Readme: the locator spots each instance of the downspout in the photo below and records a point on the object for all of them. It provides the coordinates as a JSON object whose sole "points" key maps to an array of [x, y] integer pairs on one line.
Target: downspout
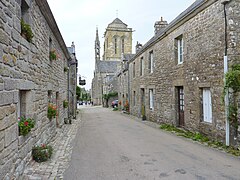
{"points": [[226, 98], [129, 93]]}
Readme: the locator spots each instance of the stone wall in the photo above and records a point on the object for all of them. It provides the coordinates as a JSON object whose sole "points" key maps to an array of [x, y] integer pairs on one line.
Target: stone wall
{"points": [[27, 78], [203, 38]]}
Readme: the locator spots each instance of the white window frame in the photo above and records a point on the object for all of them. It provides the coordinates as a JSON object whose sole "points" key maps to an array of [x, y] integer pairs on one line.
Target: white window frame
{"points": [[151, 61], [207, 105], [180, 49], [151, 99]]}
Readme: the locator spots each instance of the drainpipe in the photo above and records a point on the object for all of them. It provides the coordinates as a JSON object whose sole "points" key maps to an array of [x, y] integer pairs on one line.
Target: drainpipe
{"points": [[226, 98]]}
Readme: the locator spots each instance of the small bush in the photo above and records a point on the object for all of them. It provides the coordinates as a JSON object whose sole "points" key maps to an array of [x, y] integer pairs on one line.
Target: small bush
{"points": [[65, 103], [42, 153], [25, 125]]}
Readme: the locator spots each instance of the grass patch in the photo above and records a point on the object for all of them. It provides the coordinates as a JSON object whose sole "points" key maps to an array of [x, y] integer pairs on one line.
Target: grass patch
{"points": [[115, 109], [196, 136]]}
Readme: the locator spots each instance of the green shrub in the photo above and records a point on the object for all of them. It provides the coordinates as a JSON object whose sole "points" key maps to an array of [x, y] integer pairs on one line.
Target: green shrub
{"points": [[25, 125], [52, 111], [42, 153], [65, 103], [26, 31]]}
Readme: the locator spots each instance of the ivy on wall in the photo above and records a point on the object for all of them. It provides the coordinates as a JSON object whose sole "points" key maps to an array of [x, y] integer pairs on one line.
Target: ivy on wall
{"points": [[233, 86]]}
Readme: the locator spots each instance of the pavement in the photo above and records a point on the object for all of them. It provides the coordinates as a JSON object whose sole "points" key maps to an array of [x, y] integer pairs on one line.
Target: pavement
{"points": [[54, 168]]}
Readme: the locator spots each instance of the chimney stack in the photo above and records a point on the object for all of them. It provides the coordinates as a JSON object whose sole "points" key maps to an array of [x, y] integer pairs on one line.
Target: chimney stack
{"points": [[138, 47], [159, 25]]}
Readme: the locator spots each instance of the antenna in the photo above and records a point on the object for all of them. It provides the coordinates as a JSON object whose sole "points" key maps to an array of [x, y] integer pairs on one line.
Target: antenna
{"points": [[117, 13]]}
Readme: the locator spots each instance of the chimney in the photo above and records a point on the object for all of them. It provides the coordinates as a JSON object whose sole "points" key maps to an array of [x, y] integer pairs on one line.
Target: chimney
{"points": [[73, 48], [159, 25], [138, 47]]}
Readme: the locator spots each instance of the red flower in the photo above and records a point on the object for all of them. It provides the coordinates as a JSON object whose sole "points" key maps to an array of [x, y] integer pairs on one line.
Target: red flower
{"points": [[26, 123]]}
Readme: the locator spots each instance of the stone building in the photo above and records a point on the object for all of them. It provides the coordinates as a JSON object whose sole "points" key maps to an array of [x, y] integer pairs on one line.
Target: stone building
{"points": [[72, 82], [117, 40], [177, 76], [30, 79], [123, 81]]}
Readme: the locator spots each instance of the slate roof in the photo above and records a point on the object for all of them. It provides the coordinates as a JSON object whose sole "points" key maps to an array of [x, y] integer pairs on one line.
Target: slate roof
{"points": [[127, 57], [116, 23], [161, 33], [107, 66]]}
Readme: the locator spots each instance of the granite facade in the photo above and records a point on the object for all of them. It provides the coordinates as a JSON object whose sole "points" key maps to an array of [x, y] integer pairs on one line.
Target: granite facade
{"points": [[200, 29], [29, 80]]}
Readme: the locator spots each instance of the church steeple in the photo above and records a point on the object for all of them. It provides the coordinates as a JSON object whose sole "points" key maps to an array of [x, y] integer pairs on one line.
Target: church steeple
{"points": [[97, 46]]}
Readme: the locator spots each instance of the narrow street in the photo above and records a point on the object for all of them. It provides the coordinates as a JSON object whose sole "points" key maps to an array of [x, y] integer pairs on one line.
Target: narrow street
{"points": [[112, 146]]}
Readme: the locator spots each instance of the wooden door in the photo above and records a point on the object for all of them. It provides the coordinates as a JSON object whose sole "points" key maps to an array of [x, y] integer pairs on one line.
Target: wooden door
{"points": [[181, 106]]}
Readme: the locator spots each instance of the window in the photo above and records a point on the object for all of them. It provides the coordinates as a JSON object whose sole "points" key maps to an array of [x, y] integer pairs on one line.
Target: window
{"points": [[115, 45], [134, 98], [180, 49], [50, 98], [141, 66], [25, 11], [134, 69], [151, 99], [151, 62], [122, 45], [24, 104], [207, 105]]}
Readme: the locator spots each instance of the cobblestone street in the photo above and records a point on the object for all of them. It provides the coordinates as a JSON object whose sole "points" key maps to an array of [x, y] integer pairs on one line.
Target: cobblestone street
{"points": [[55, 167]]}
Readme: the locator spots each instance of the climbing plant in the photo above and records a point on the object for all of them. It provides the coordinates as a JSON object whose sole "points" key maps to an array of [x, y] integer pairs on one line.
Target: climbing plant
{"points": [[232, 85]]}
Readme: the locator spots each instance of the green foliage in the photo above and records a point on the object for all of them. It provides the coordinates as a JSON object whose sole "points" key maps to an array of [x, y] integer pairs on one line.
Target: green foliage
{"points": [[26, 31], [233, 82], [65, 103], [42, 153], [109, 95], [25, 125], [200, 138], [115, 109], [78, 92], [52, 111], [53, 55]]}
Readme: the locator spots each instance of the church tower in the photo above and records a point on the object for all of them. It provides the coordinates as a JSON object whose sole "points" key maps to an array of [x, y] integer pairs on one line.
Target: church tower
{"points": [[118, 41], [97, 47]]}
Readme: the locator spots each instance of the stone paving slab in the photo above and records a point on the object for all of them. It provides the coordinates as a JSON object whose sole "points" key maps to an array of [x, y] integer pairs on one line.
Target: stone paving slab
{"points": [[54, 168]]}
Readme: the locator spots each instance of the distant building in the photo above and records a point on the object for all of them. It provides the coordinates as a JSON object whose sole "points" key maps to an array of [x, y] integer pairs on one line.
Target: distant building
{"points": [[118, 40]]}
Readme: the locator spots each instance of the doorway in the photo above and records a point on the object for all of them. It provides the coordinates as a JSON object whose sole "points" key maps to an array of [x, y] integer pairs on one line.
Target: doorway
{"points": [[180, 92]]}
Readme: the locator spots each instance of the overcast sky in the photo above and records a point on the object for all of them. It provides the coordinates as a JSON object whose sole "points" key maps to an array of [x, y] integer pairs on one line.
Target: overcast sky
{"points": [[78, 19]]}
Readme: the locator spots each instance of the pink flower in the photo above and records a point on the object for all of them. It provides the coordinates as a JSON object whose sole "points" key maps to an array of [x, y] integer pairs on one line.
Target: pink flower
{"points": [[26, 123]]}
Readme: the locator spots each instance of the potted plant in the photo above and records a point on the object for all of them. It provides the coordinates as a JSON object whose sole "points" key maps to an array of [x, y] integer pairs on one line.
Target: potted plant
{"points": [[52, 111], [26, 31], [42, 153], [65, 103], [53, 55], [25, 125]]}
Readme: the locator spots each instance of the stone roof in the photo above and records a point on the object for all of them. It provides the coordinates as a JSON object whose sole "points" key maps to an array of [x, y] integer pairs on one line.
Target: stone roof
{"points": [[117, 23], [107, 66], [162, 32], [127, 57]]}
